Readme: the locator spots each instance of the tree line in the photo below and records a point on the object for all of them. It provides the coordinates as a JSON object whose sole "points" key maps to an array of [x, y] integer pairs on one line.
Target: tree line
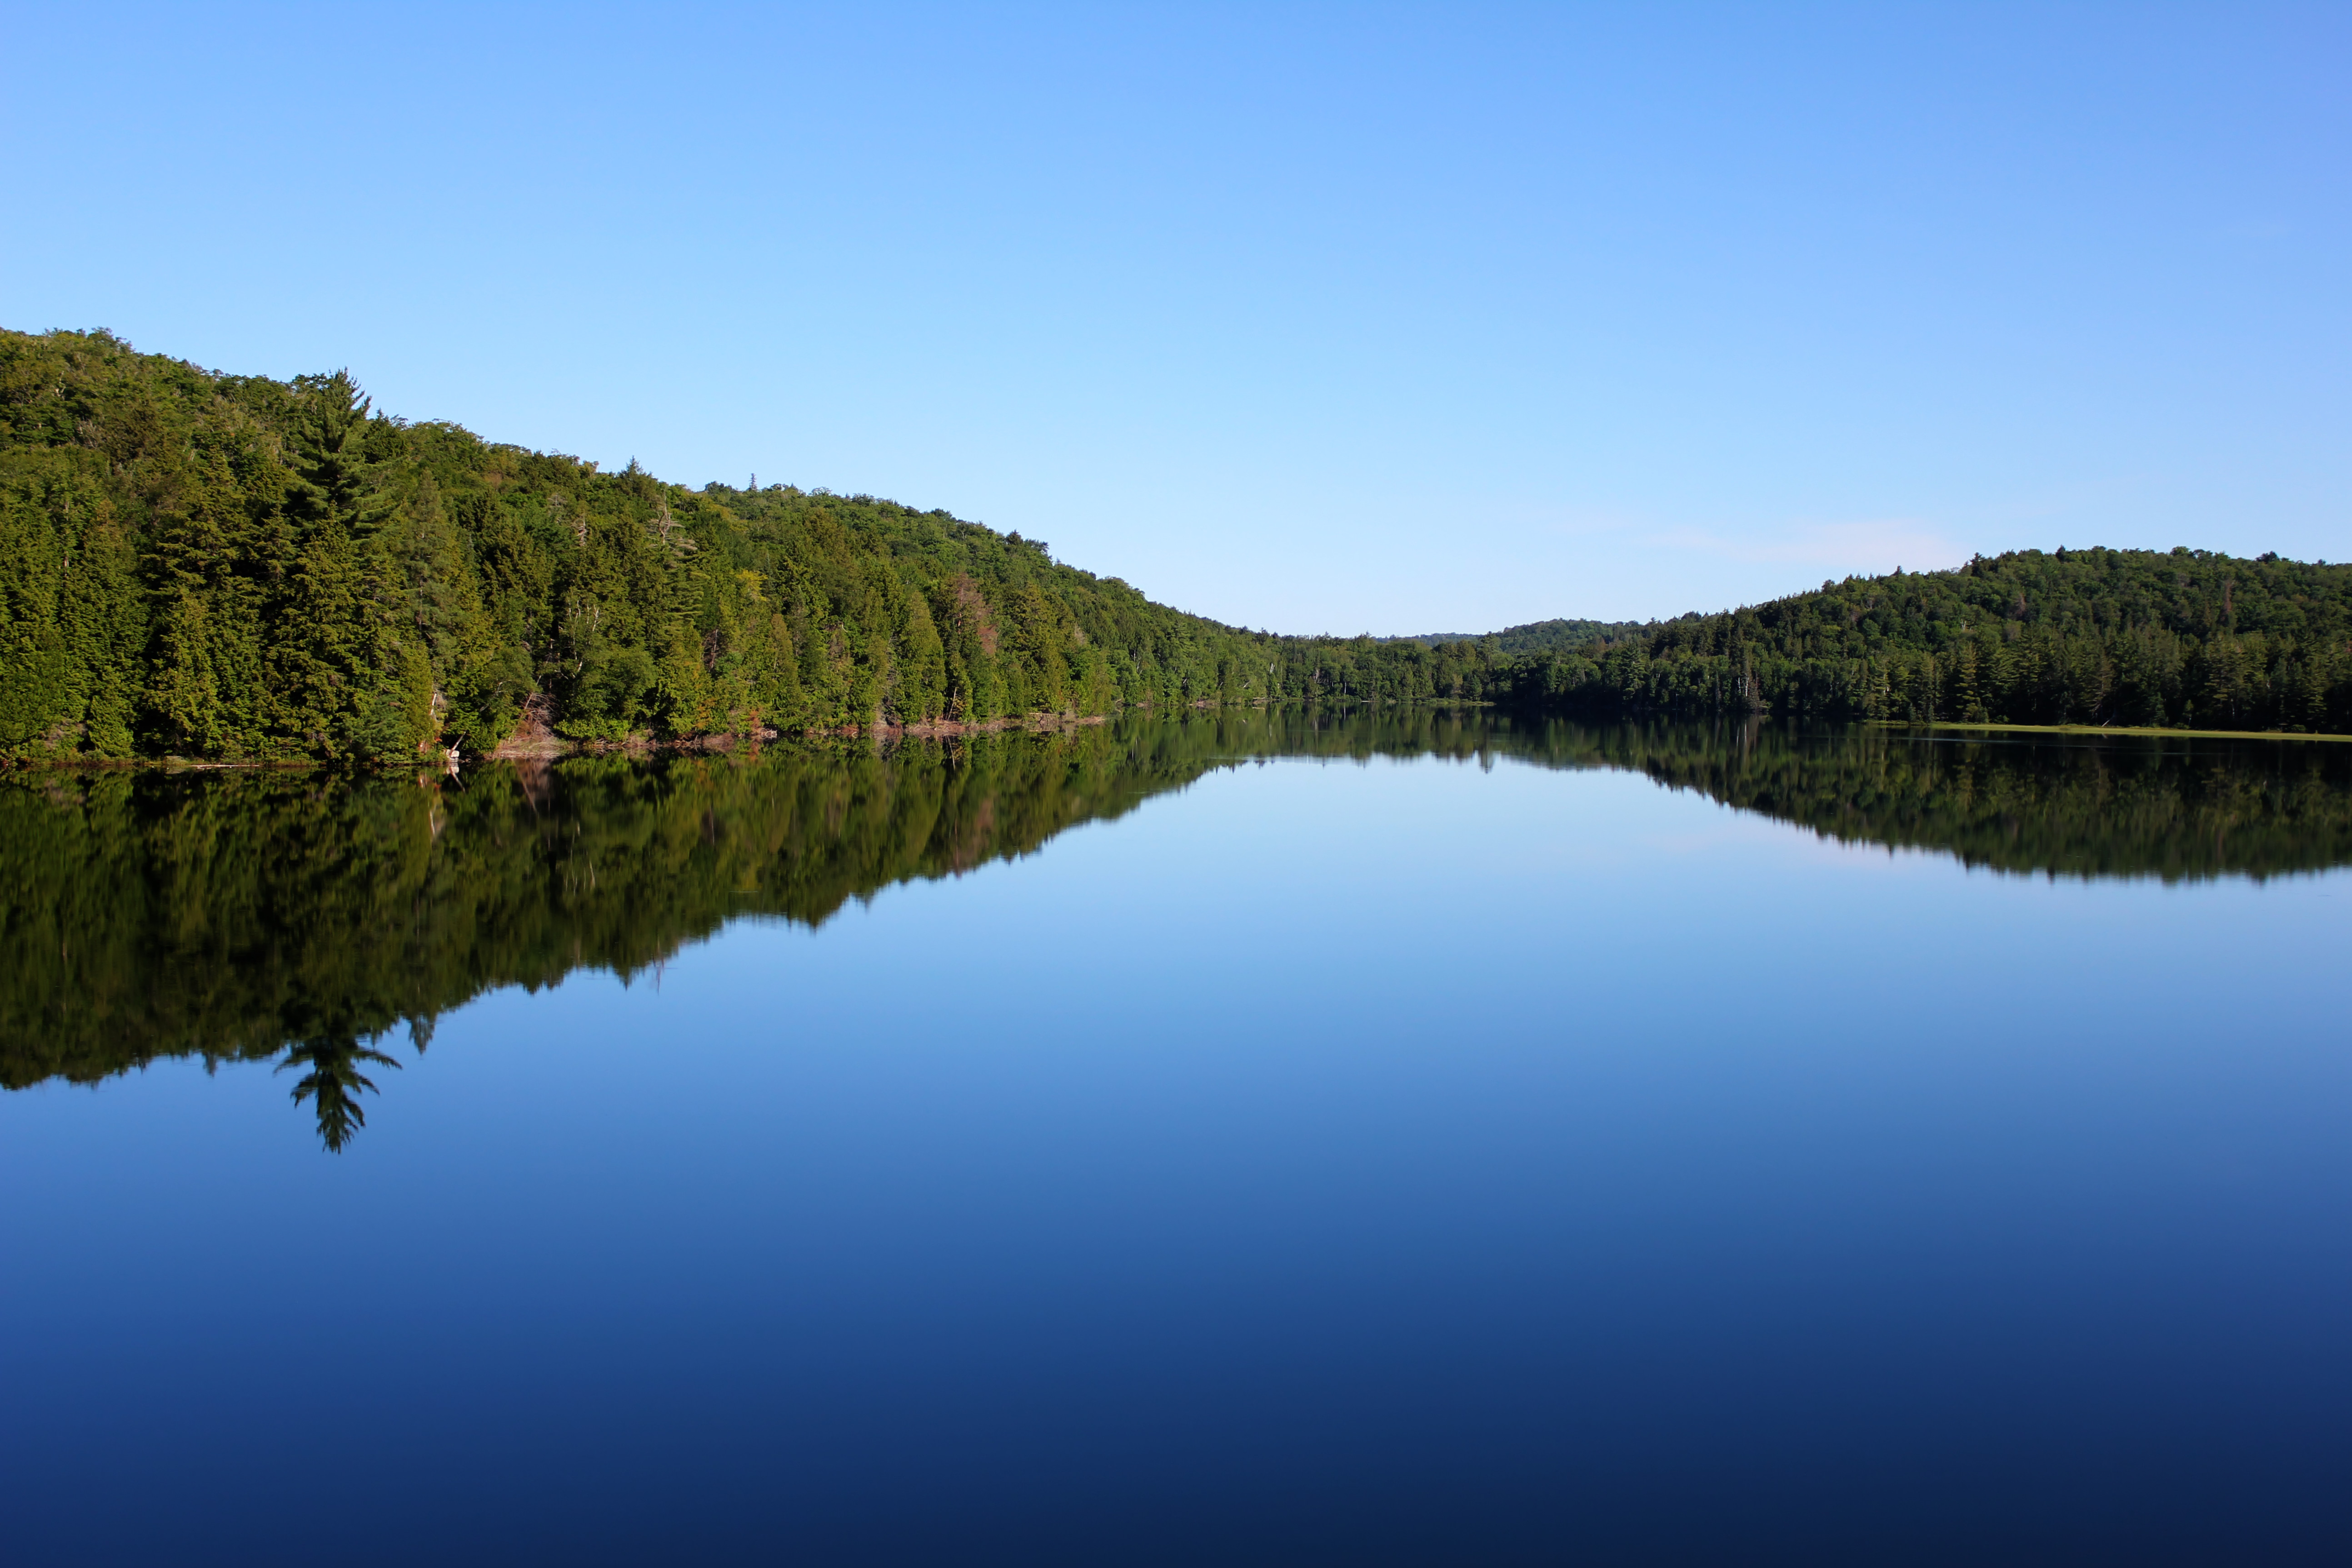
{"points": [[2181, 639], [210, 565], [1536, 636], [232, 567]]}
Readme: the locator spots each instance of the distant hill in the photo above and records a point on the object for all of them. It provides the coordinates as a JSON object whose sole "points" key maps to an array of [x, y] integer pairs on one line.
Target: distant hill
{"points": [[2181, 638], [1537, 636]]}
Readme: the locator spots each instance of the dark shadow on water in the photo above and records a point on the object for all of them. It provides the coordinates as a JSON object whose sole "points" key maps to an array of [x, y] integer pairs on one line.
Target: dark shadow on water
{"points": [[250, 916]]}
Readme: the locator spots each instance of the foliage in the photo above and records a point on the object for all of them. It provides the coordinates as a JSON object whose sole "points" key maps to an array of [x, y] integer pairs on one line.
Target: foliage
{"points": [[2185, 638], [221, 566], [1537, 636]]}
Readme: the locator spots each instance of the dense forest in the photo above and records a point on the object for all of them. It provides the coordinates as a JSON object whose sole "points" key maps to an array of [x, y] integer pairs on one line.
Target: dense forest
{"points": [[216, 566], [261, 914], [1538, 636], [212, 565], [2186, 638]]}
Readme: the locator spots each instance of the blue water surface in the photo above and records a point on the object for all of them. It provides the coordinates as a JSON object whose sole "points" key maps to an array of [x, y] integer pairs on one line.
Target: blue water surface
{"points": [[1403, 1161]]}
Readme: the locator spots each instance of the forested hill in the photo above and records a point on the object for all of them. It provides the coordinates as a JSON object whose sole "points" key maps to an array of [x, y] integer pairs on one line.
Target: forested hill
{"points": [[2182, 638], [222, 566], [1537, 636], [210, 565]]}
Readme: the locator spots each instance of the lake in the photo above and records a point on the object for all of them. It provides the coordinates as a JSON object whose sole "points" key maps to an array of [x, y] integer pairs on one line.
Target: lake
{"points": [[1288, 1137]]}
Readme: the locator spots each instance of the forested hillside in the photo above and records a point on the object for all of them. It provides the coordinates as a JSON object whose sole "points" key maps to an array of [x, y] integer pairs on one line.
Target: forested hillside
{"points": [[1537, 636], [216, 565], [2184, 638], [210, 566]]}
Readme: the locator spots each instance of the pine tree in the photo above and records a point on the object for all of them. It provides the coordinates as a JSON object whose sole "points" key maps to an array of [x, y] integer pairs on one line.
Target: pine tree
{"points": [[191, 569], [348, 678], [103, 617], [336, 478], [921, 692]]}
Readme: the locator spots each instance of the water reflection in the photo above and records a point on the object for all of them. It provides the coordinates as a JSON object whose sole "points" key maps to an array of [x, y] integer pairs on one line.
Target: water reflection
{"points": [[332, 1083], [250, 916], [2018, 801]]}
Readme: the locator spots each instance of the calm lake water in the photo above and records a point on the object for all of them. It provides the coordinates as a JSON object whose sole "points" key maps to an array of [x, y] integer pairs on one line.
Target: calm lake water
{"points": [[1281, 1139]]}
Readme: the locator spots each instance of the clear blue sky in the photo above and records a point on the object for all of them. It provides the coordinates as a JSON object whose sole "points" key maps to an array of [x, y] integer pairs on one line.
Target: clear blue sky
{"points": [[1318, 319]]}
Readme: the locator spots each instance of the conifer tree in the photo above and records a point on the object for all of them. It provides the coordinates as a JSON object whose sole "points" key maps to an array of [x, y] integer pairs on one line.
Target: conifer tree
{"points": [[192, 684], [347, 677]]}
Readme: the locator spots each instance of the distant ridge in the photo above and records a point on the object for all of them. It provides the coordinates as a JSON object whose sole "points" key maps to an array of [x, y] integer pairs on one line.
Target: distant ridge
{"points": [[1538, 636], [2176, 639]]}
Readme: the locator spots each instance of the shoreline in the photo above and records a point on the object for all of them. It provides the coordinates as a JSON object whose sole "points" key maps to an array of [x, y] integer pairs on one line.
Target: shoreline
{"points": [[537, 744], [2115, 730], [545, 748], [540, 748]]}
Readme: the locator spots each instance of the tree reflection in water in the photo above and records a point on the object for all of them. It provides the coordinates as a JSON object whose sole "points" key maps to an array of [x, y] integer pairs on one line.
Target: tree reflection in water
{"points": [[233, 916], [333, 1083]]}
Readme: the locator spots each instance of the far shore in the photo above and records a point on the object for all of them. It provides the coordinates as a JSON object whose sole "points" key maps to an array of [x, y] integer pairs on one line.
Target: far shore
{"points": [[2116, 729]]}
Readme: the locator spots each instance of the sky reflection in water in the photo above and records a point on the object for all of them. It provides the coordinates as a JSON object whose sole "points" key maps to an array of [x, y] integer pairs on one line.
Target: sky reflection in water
{"points": [[1406, 1161]]}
